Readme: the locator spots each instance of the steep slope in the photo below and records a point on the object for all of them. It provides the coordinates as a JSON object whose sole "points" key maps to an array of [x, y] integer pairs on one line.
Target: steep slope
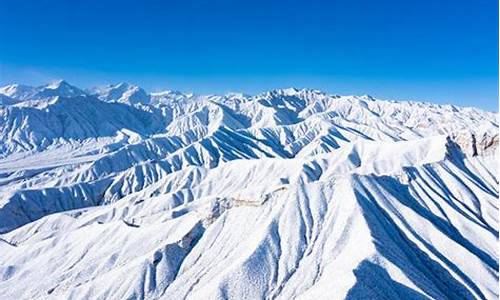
{"points": [[6, 100], [278, 228], [286, 194]]}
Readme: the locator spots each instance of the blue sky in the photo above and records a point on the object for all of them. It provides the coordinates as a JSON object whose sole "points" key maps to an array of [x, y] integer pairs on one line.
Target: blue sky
{"points": [[440, 51]]}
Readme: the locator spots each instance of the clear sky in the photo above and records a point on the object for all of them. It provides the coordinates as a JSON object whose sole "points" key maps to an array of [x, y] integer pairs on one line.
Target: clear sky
{"points": [[441, 51]]}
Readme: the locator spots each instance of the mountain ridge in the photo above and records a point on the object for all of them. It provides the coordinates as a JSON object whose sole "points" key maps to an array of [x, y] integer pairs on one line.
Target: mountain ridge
{"points": [[10, 89]]}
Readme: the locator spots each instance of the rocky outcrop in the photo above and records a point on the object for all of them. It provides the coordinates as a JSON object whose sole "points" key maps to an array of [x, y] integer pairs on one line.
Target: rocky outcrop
{"points": [[473, 144]]}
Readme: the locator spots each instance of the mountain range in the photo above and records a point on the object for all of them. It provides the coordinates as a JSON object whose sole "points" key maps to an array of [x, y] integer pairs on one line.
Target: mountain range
{"points": [[116, 193]]}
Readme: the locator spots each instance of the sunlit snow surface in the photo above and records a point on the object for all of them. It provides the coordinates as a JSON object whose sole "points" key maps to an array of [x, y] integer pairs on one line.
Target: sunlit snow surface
{"points": [[113, 193]]}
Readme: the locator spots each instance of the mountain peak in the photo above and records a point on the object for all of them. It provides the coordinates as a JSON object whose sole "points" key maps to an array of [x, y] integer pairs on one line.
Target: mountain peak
{"points": [[59, 88], [291, 90], [123, 85], [18, 91], [367, 97], [123, 92], [57, 84]]}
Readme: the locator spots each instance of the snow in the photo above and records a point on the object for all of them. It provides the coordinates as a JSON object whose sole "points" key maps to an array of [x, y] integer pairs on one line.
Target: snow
{"points": [[18, 91], [123, 93], [114, 193]]}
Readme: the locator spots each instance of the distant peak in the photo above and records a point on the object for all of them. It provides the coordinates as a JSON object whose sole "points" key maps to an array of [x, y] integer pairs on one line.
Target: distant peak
{"points": [[58, 88], [56, 84], [367, 97], [236, 95], [14, 86], [122, 92], [17, 91], [125, 86], [296, 92], [60, 84], [167, 93], [291, 90], [122, 85]]}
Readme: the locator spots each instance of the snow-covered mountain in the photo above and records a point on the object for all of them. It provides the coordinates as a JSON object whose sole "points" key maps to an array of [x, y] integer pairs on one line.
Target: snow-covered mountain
{"points": [[123, 93], [59, 88], [115, 193], [18, 91]]}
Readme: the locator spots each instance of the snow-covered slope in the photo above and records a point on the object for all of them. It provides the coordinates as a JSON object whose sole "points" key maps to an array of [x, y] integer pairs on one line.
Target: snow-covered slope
{"points": [[114, 193]]}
